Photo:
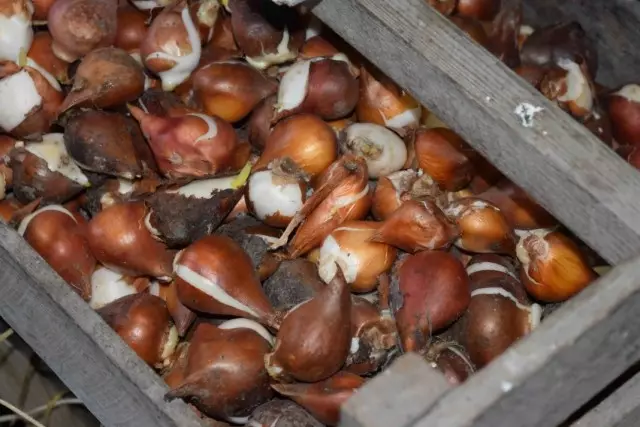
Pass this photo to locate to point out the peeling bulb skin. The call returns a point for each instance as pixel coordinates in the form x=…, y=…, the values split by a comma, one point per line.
x=17, y=30
x=224, y=374
x=214, y=275
x=570, y=85
x=323, y=399
x=384, y=151
x=55, y=234
x=434, y=288
x=451, y=359
x=314, y=338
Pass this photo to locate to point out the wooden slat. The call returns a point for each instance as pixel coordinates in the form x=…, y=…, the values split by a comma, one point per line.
x=563, y=166
x=620, y=409
x=115, y=385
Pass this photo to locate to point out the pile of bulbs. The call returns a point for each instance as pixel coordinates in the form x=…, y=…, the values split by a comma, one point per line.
x=264, y=217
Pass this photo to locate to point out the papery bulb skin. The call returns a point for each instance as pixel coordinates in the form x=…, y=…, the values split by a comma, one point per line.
x=268, y=34
x=192, y=145
x=56, y=235
x=305, y=139
x=519, y=209
x=624, y=110
x=342, y=195
x=230, y=89
x=119, y=240
x=445, y=157
x=41, y=53
x=172, y=46
x=417, y=226
x=500, y=312
x=108, y=285
x=434, y=290
x=394, y=189
x=282, y=413
x=384, y=103
x=80, y=26
x=224, y=375
x=483, y=227
x=106, y=77
x=17, y=32
x=553, y=267
x=323, y=399
x=29, y=99
x=108, y=143
x=361, y=261
x=144, y=324
x=45, y=170
x=384, y=151
x=132, y=28
x=314, y=339
x=276, y=194
x=451, y=359
x=214, y=275
x=321, y=86
x=571, y=86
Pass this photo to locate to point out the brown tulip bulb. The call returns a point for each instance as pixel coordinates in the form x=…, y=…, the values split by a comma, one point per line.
x=500, y=312
x=231, y=89
x=119, y=240
x=259, y=124
x=483, y=10
x=384, y=103
x=519, y=209
x=224, y=374
x=570, y=85
x=624, y=110
x=445, y=157
x=106, y=77
x=182, y=316
x=45, y=170
x=553, y=267
x=314, y=339
x=394, y=189
x=192, y=145
x=325, y=398
x=56, y=234
x=80, y=26
x=144, y=324
x=42, y=58
x=132, y=28
x=305, y=139
x=321, y=86
x=214, y=275
x=451, y=359
x=434, y=292
x=483, y=227
x=361, y=261
x=417, y=226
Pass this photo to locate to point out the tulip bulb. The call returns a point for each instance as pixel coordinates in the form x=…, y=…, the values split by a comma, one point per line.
x=433, y=288
x=231, y=89
x=259, y=124
x=323, y=399
x=45, y=170
x=17, y=32
x=483, y=227
x=314, y=338
x=416, y=226
x=172, y=46
x=182, y=317
x=80, y=26
x=570, y=85
x=276, y=194
x=132, y=28
x=108, y=285
x=361, y=261
x=144, y=324
x=624, y=109
x=224, y=375
x=384, y=151
x=192, y=145
x=42, y=58
x=553, y=266
x=394, y=189
x=120, y=241
x=214, y=275
x=56, y=234
x=321, y=86
x=482, y=10
x=384, y=103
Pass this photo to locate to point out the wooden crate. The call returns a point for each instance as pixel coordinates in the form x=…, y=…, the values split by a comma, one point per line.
x=541, y=380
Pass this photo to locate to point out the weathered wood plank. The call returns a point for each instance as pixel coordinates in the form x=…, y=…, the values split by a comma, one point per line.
x=614, y=27
x=541, y=380
x=118, y=388
x=390, y=398
x=582, y=182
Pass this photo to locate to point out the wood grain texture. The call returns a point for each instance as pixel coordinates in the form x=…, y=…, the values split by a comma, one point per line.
x=390, y=398
x=620, y=409
x=569, y=171
x=116, y=386
x=542, y=379
x=612, y=25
